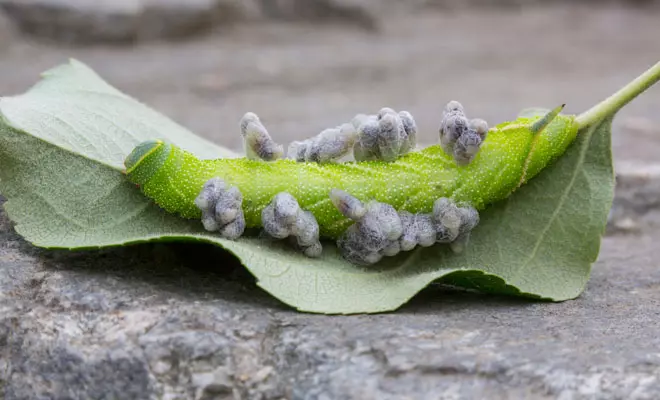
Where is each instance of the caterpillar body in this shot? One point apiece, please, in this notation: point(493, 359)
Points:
point(513, 153)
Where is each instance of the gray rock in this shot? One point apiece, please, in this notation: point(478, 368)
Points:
point(83, 21)
point(163, 322)
point(636, 204)
point(359, 13)
point(122, 21)
point(125, 21)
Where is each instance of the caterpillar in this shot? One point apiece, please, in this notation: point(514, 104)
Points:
point(471, 170)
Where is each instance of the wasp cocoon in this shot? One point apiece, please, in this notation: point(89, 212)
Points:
point(221, 208)
point(470, 219)
point(328, 146)
point(460, 137)
point(452, 126)
point(375, 216)
point(452, 220)
point(392, 135)
point(418, 229)
point(480, 127)
point(385, 136)
point(361, 119)
point(380, 230)
point(283, 218)
point(257, 142)
point(365, 147)
point(348, 205)
point(375, 232)
point(466, 147)
point(410, 127)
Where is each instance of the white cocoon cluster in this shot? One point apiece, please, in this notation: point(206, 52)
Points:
point(328, 146)
point(221, 208)
point(458, 136)
point(379, 230)
point(256, 140)
point(385, 136)
point(283, 218)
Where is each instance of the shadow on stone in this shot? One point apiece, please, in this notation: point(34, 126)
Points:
point(191, 272)
point(437, 298)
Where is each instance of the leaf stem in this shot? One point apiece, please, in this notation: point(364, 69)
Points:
point(612, 104)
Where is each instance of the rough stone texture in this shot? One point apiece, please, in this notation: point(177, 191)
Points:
point(124, 21)
point(637, 202)
point(356, 13)
point(129, 21)
point(636, 206)
point(178, 322)
point(185, 322)
point(83, 21)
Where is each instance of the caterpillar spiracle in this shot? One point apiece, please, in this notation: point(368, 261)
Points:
point(512, 154)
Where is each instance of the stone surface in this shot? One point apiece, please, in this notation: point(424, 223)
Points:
point(130, 21)
point(125, 21)
point(182, 322)
point(636, 204)
point(185, 322)
point(83, 21)
point(356, 13)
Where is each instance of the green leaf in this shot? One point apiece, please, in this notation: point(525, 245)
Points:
point(63, 142)
point(76, 110)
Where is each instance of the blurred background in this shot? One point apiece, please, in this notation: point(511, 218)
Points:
point(305, 65)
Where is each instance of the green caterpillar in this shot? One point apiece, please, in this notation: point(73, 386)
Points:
point(512, 154)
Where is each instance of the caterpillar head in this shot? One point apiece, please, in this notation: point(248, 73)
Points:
point(145, 159)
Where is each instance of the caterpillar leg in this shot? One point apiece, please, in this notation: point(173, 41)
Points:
point(258, 143)
point(221, 208)
point(380, 230)
point(283, 218)
point(385, 136)
point(460, 137)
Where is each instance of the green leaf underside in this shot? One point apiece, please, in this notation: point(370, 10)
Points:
point(61, 148)
point(72, 108)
